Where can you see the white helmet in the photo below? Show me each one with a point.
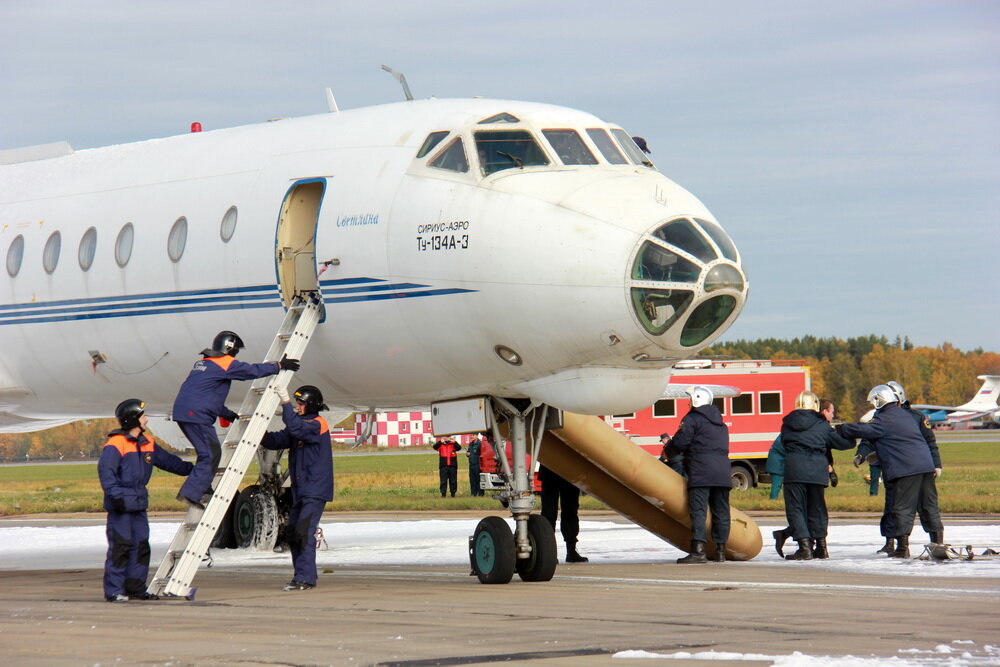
(807, 401)
(882, 395)
(897, 389)
(699, 396)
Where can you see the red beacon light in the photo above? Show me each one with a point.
(196, 127)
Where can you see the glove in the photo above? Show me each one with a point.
(834, 480)
(224, 423)
(287, 364)
(282, 394)
(119, 504)
(937, 472)
(858, 460)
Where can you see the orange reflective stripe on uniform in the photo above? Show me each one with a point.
(124, 445)
(222, 362)
(323, 426)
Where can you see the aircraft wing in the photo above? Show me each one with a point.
(674, 390)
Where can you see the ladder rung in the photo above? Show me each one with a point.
(285, 336)
(258, 390)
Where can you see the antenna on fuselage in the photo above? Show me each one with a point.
(331, 104)
(402, 81)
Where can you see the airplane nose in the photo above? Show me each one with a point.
(686, 282)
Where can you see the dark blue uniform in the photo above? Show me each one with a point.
(124, 469)
(907, 465)
(472, 451)
(807, 437)
(310, 461)
(703, 439)
(558, 493)
(200, 401)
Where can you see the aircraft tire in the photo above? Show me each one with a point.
(225, 537)
(492, 551)
(255, 519)
(541, 566)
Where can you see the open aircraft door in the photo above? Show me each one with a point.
(295, 240)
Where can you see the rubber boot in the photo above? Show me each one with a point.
(819, 549)
(937, 537)
(720, 553)
(572, 556)
(697, 554)
(805, 551)
(779, 540)
(902, 547)
(888, 547)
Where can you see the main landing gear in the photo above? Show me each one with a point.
(495, 553)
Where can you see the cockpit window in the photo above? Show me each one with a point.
(721, 239)
(657, 263)
(432, 140)
(452, 158)
(682, 234)
(658, 309)
(508, 149)
(569, 146)
(607, 147)
(634, 154)
(503, 117)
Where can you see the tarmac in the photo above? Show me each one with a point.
(428, 615)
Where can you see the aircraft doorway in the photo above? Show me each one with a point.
(295, 241)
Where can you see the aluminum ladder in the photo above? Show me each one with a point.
(194, 536)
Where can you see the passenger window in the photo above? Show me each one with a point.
(88, 248)
(432, 140)
(177, 239)
(503, 117)
(665, 407)
(508, 149)
(123, 244)
(569, 147)
(452, 158)
(605, 144)
(625, 141)
(770, 403)
(721, 404)
(743, 404)
(50, 255)
(15, 254)
(228, 226)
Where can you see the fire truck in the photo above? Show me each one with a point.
(767, 392)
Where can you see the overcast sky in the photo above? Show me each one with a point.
(851, 149)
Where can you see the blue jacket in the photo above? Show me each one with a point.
(202, 396)
(902, 450)
(776, 458)
(926, 432)
(310, 456)
(472, 450)
(807, 437)
(704, 440)
(125, 466)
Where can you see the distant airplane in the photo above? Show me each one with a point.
(984, 406)
(462, 248)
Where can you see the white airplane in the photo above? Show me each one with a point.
(983, 406)
(462, 248)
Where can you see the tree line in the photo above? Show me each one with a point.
(845, 370)
(80, 440)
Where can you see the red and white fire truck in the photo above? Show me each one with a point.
(767, 392)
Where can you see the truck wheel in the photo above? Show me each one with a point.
(742, 478)
(541, 566)
(491, 551)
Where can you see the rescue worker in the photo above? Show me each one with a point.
(674, 461)
(556, 493)
(808, 438)
(124, 469)
(448, 464)
(472, 451)
(202, 399)
(908, 467)
(703, 439)
(306, 436)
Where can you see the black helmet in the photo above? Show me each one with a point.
(128, 413)
(311, 397)
(226, 342)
